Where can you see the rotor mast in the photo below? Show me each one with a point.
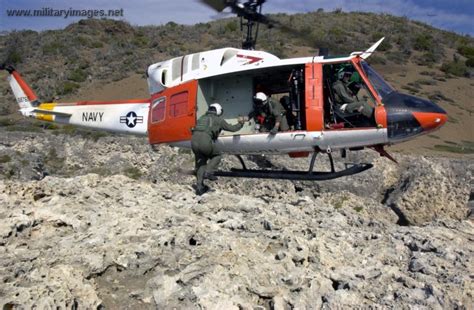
(250, 16)
(250, 13)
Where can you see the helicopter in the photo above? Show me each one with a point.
(182, 88)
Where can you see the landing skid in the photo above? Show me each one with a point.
(309, 175)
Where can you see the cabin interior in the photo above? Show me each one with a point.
(235, 94)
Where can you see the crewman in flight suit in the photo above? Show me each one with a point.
(275, 112)
(205, 134)
(346, 100)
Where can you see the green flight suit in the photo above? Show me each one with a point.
(343, 95)
(206, 132)
(273, 112)
(277, 111)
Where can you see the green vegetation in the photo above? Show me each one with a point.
(455, 67)
(231, 26)
(358, 209)
(52, 48)
(78, 75)
(411, 89)
(102, 171)
(438, 96)
(133, 173)
(468, 52)
(13, 57)
(466, 147)
(89, 134)
(423, 42)
(470, 62)
(340, 202)
(427, 59)
(68, 87)
(5, 159)
(425, 82)
(5, 122)
(53, 161)
(24, 128)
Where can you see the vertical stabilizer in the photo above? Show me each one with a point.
(25, 97)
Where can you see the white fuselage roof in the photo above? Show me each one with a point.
(222, 61)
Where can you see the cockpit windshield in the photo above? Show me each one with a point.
(382, 87)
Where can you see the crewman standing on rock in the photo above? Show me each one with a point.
(205, 134)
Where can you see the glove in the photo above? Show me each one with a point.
(343, 107)
(274, 131)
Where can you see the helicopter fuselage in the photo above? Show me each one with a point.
(181, 89)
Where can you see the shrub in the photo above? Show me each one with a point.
(427, 59)
(466, 51)
(140, 41)
(377, 60)
(13, 57)
(78, 75)
(456, 68)
(133, 173)
(470, 62)
(52, 48)
(96, 44)
(231, 26)
(68, 87)
(423, 42)
(5, 159)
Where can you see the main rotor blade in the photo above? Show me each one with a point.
(218, 5)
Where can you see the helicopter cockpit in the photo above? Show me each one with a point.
(335, 117)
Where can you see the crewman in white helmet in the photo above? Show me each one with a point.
(270, 113)
(205, 134)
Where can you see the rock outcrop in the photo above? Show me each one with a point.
(114, 223)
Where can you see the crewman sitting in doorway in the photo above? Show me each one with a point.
(269, 113)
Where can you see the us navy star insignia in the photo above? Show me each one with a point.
(131, 119)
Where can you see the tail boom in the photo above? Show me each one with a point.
(124, 116)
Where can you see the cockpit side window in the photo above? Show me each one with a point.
(382, 88)
(356, 83)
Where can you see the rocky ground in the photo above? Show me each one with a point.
(110, 222)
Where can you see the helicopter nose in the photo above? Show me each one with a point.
(409, 116)
(430, 121)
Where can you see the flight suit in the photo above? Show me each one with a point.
(343, 95)
(272, 112)
(206, 132)
(277, 111)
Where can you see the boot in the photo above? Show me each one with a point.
(210, 176)
(202, 189)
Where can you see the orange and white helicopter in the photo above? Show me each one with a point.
(181, 90)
